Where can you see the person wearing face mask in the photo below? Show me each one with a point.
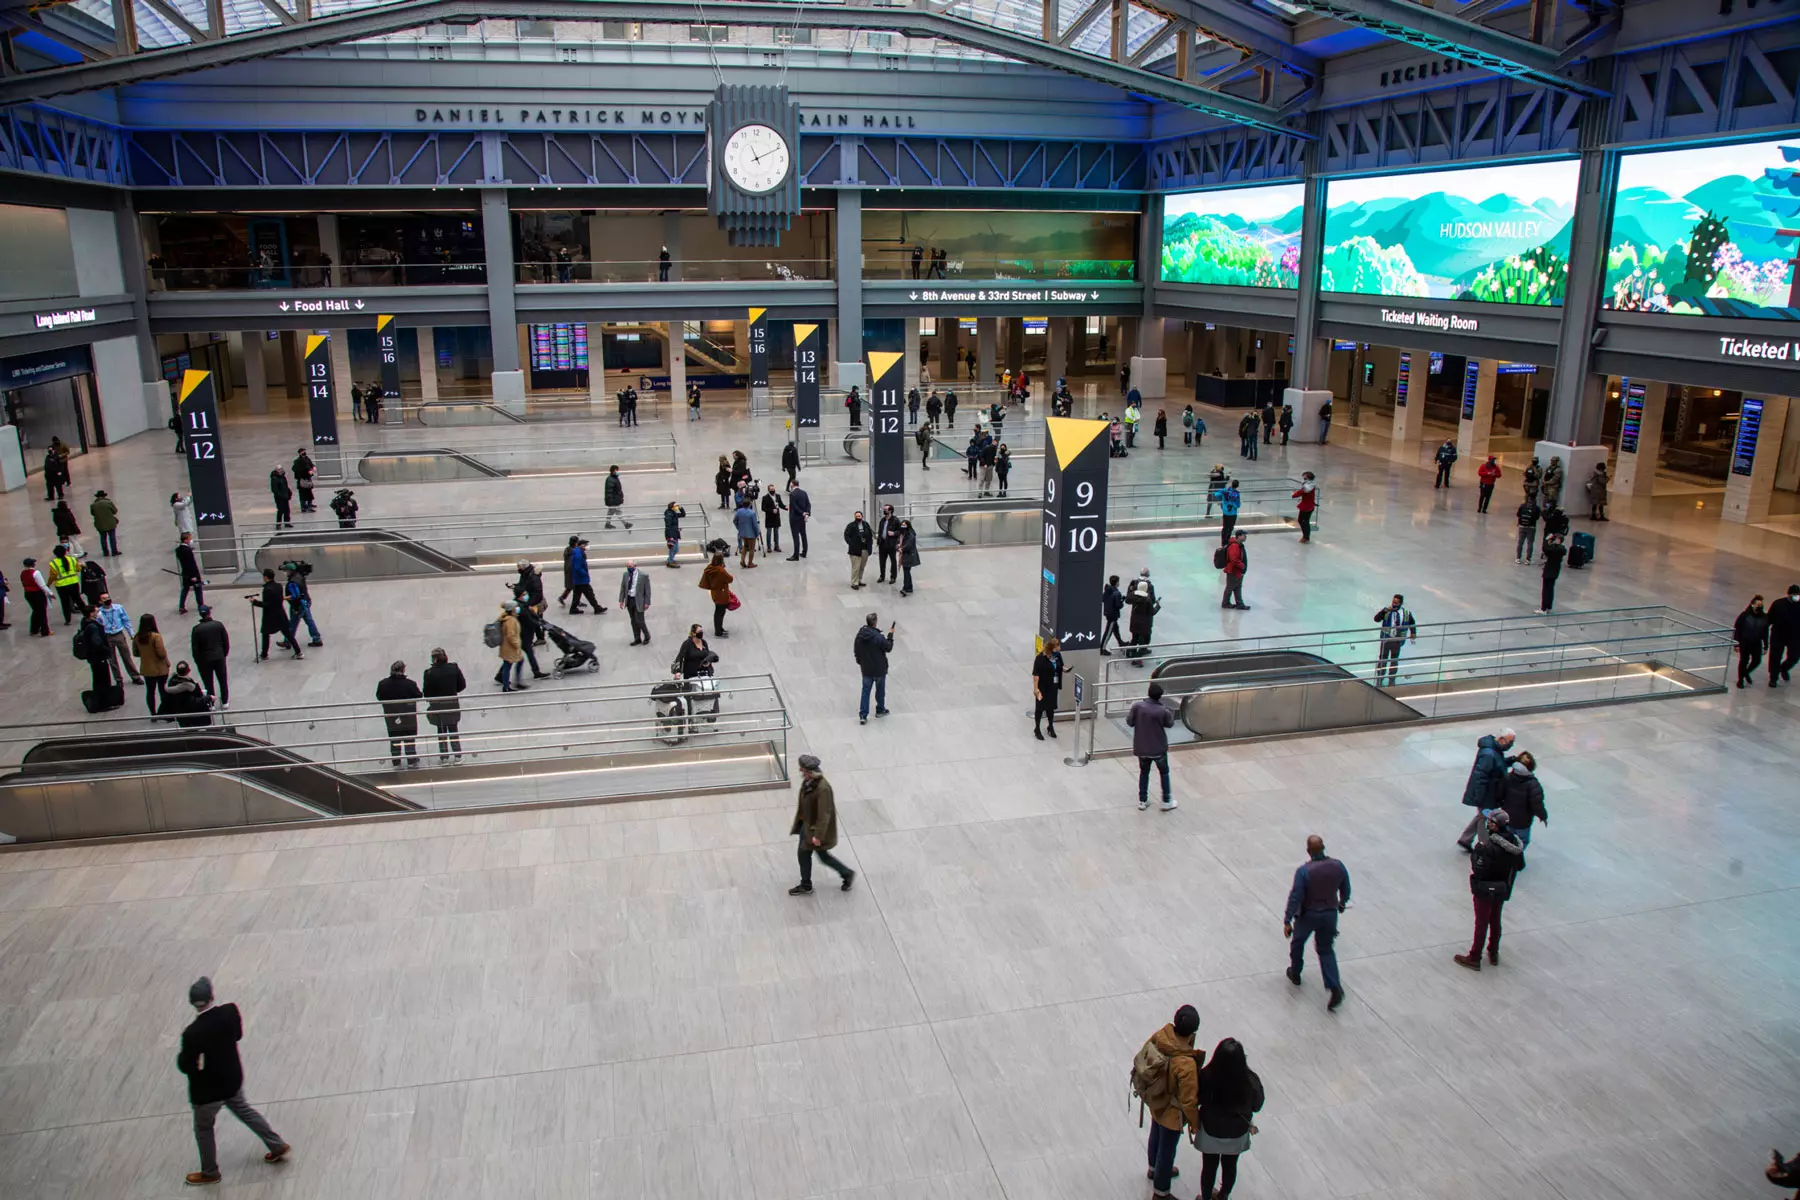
(1751, 633)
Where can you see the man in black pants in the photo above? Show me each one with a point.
(275, 619)
(815, 823)
(887, 545)
(1112, 606)
(210, 644)
(1784, 635)
(1553, 561)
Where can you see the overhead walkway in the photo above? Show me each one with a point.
(1309, 683)
(512, 460)
(121, 776)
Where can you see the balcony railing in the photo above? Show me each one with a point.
(973, 266)
(285, 278)
(688, 270)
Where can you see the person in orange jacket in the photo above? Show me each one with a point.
(1488, 473)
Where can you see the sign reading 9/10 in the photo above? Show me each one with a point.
(1074, 558)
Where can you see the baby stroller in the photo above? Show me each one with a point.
(683, 704)
(576, 653)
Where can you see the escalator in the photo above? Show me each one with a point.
(465, 412)
(1262, 693)
(992, 520)
(340, 554)
(155, 781)
(433, 465)
(711, 356)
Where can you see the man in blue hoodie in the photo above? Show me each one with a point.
(1230, 500)
(581, 581)
(1487, 780)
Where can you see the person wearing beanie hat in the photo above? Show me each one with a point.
(1494, 859)
(1165, 1075)
(215, 1075)
(815, 823)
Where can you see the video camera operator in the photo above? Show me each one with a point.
(343, 503)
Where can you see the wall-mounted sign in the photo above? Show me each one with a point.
(601, 116)
(806, 375)
(1759, 349)
(1437, 363)
(68, 316)
(759, 347)
(1471, 383)
(302, 307)
(1402, 379)
(1632, 423)
(25, 369)
(1516, 369)
(387, 341)
(1343, 345)
(1743, 450)
(1421, 318)
(1000, 296)
(321, 404)
(197, 409)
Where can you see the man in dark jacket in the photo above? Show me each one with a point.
(210, 645)
(1554, 553)
(284, 495)
(96, 651)
(1150, 720)
(1487, 777)
(400, 698)
(1529, 513)
(443, 684)
(215, 1075)
(672, 531)
(815, 824)
(1446, 458)
(799, 513)
(615, 497)
(772, 508)
(634, 595)
(1784, 635)
(887, 545)
(790, 462)
(191, 579)
(859, 539)
(275, 618)
(1141, 595)
(1112, 605)
(871, 649)
(1321, 891)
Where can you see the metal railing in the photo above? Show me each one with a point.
(279, 277)
(562, 745)
(387, 463)
(1306, 682)
(899, 265)
(1131, 509)
(461, 411)
(688, 270)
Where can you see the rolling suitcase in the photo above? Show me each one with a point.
(1581, 549)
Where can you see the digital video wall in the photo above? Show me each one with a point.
(1243, 237)
(1494, 234)
(1700, 232)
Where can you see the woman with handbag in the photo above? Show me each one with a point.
(1494, 859)
(717, 582)
(1231, 1094)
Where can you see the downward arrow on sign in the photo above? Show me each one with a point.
(284, 306)
(359, 304)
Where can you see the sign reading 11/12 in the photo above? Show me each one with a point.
(197, 409)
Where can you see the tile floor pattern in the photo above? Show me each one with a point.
(622, 1001)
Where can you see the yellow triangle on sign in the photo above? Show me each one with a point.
(383, 322)
(882, 361)
(313, 342)
(190, 381)
(1070, 436)
(756, 313)
(802, 332)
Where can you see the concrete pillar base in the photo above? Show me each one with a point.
(216, 548)
(852, 375)
(1306, 411)
(1747, 497)
(426, 338)
(509, 390)
(1578, 463)
(1150, 376)
(12, 459)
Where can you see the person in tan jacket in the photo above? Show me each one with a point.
(1174, 1099)
(717, 582)
(512, 649)
(815, 823)
(153, 661)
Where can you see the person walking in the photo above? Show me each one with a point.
(1150, 721)
(56, 469)
(153, 662)
(908, 553)
(1596, 493)
(188, 568)
(304, 473)
(1141, 596)
(1112, 606)
(1528, 516)
(1237, 565)
(743, 519)
(1397, 628)
(1187, 426)
(1285, 422)
(1784, 634)
(1554, 552)
(950, 403)
(772, 508)
(399, 697)
(443, 683)
(1231, 1095)
(1231, 500)
(1161, 427)
(65, 577)
(716, 581)
(887, 546)
(1046, 682)
(1321, 891)
(615, 497)
(1486, 476)
(1446, 458)
(1751, 633)
(215, 1075)
(871, 648)
(859, 540)
(116, 623)
(581, 579)
(1165, 1076)
(105, 514)
(799, 515)
(511, 675)
(182, 509)
(815, 824)
(1269, 416)
(1493, 862)
(1324, 422)
(790, 462)
(1487, 779)
(283, 494)
(1307, 496)
(922, 439)
(37, 597)
(299, 606)
(634, 595)
(273, 603)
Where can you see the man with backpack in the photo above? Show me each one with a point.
(1493, 861)
(1236, 564)
(1141, 596)
(91, 646)
(1165, 1078)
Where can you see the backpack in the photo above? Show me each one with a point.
(490, 635)
(1492, 874)
(1151, 1081)
(80, 647)
(1221, 556)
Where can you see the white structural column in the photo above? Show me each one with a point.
(428, 367)
(1307, 403)
(911, 362)
(677, 331)
(340, 368)
(1409, 406)
(1475, 426)
(1149, 367)
(1747, 495)
(256, 370)
(596, 335)
(987, 335)
(1640, 436)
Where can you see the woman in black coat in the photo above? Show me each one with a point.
(399, 698)
(1231, 1094)
(1522, 796)
(443, 683)
(909, 555)
(722, 482)
(1161, 428)
(1751, 632)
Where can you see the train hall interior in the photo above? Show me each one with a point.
(1303, 447)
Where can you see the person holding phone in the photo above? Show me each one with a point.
(871, 649)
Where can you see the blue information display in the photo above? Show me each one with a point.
(1632, 422)
(1516, 369)
(1471, 380)
(1743, 451)
(1401, 380)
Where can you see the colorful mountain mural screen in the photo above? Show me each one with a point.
(1496, 234)
(1246, 237)
(1712, 232)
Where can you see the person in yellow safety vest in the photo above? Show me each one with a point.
(65, 577)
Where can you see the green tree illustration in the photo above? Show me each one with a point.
(1709, 235)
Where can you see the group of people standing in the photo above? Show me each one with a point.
(365, 403)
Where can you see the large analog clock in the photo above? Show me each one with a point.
(757, 159)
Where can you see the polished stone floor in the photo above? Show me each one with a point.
(622, 1001)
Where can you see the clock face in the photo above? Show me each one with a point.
(756, 159)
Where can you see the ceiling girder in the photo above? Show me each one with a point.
(409, 14)
(1242, 26)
